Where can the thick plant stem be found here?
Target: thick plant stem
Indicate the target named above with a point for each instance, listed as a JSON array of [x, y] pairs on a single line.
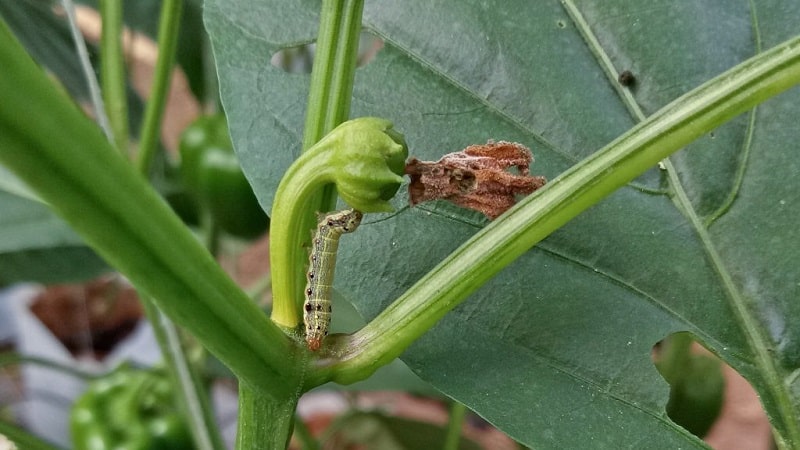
[[64, 158], [534, 218], [168, 27], [190, 391], [265, 421]]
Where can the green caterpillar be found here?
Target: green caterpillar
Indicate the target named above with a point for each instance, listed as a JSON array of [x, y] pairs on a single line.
[[322, 263]]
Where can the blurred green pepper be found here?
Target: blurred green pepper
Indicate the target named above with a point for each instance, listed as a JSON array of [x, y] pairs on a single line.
[[129, 409], [213, 175]]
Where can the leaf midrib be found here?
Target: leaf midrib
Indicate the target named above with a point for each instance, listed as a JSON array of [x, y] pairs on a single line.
[[749, 325]]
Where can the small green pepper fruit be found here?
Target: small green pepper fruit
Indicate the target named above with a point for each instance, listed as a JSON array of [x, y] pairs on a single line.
[[212, 173], [129, 409]]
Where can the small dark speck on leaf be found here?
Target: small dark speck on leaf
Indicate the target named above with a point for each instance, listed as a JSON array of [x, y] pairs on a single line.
[[626, 78]]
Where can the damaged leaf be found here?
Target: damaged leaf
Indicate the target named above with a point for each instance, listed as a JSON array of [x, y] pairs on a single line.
[[475, 178]]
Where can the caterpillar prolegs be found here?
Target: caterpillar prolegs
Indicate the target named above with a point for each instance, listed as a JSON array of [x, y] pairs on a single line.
[[322, 263]]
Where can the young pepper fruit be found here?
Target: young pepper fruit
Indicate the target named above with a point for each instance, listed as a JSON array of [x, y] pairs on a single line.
[[213, 175], [129, 409]]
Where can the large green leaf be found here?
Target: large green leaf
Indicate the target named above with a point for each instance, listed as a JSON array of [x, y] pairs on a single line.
[[556, 349], [35, 245], [45, 34]]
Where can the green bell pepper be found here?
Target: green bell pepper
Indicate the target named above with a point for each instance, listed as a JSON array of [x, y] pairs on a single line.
[[129, 409], [212, 173]]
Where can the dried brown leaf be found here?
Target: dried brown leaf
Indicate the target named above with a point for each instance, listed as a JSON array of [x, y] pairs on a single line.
[[475, 178]]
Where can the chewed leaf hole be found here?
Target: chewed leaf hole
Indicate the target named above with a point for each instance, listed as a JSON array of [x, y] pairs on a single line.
[[300, 58], [707, 397]]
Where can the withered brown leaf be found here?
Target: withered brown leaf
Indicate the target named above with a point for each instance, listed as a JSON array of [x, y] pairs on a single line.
[[475, 178]]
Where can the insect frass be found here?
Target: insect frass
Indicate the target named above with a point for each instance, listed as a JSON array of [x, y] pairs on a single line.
[[322, 263]]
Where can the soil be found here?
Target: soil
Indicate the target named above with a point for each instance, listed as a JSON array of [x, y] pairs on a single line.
[[89, 319]]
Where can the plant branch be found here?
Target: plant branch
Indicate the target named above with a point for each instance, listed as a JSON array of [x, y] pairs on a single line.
[[191, 392], [88, 70], [334, 68], [112, 72], [328, 105], [49, 144], [457, 413], [12, 358], [265, 421], [364, 159], [541, 213], [168, 27]]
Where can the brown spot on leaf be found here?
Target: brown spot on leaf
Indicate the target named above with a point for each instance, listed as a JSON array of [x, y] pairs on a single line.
[[475, 178]]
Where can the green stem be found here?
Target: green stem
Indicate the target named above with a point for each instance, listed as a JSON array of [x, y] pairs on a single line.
[[457, 413], [190, 389], [304, 436], [12, 358], [47, 141], [23, 439], [328, 105], [364, 159], [88, 70], [334, 68], [265, 421], [541, 213], [289, 230], [191, 392], [168, 27], [112, 72]]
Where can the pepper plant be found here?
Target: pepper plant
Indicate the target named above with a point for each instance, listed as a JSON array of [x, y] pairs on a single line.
[[633, 241]]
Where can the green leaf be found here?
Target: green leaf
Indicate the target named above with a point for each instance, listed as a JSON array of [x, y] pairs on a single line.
[[44, 31], [47, 38], [555, 350], [35, 245]]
